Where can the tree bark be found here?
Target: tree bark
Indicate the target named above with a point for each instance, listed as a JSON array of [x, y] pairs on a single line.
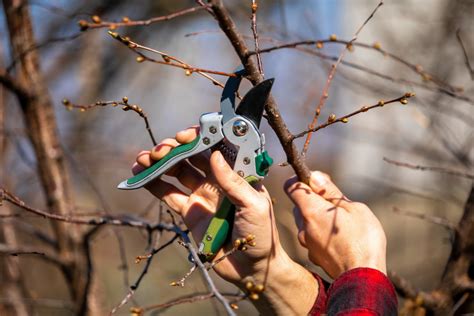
[[42, 131]]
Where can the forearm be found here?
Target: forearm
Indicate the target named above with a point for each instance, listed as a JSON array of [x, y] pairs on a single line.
[[290, 289]]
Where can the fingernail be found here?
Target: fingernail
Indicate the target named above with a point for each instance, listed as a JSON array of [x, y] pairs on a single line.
[[317, 179]]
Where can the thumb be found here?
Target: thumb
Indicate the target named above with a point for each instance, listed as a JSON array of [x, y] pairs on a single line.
[[239, 191]]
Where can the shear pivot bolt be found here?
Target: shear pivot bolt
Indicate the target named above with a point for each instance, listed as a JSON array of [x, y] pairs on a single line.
[[212, 129], [208, 237], [246, 160], [240, 128], [206, 141]]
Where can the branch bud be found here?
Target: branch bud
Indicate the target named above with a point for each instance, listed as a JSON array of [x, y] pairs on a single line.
[[253, 296], [96, 19], [83, 25]]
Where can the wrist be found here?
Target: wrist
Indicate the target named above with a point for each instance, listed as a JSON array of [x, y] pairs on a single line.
[[289, 289]]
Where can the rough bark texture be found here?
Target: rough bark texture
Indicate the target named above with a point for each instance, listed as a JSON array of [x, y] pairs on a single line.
[[42, 131]]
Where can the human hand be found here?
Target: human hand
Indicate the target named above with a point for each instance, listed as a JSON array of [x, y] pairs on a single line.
[[339, 234], [266, 263]]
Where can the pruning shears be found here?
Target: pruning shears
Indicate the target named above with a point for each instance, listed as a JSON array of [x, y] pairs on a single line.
[[234, 131]]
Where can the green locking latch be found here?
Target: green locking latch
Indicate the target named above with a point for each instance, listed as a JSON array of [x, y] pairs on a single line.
[[263, 162]]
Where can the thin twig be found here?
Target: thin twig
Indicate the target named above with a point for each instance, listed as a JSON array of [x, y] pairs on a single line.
[[135, 286], [105, 220], [440, 86], [98, 23], [375, 46], [168, 59], [344, 119], [239, 244], [435, 169], [45, 255], [181, 281], [255, 36], [207, 277], [466, 56], [325, 93], [183, 300], [125, 106], [429, 218]]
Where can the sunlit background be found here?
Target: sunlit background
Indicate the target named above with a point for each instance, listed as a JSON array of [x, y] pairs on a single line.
[[434, 129]]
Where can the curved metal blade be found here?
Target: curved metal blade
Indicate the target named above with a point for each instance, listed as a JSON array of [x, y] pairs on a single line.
[[253, 103]]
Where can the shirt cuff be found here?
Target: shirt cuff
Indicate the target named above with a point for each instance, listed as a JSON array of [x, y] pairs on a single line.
[[319, 306], [362, 291]]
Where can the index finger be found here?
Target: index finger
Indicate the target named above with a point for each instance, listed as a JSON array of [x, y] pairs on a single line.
[[187, 135]]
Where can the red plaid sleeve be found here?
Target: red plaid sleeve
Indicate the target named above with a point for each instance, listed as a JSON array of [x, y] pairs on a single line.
[[361, 292]]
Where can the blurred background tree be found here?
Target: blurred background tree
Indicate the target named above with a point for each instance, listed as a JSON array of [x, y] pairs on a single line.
[[410, 46]]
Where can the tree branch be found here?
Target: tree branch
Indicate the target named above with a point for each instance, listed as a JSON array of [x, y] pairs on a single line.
[[126, 22], [332, 72], [274, 117], [435, 169]]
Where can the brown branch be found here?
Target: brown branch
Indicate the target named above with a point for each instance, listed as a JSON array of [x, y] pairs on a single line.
[[125, 106], [169, 60], [39, 117], [274, 117], [319, 43], [182, 300], [181, 281], [126, 22], [440, 87], [466, 56], [105, 220], [255, 36], [435, 169], [239, 244], [332, 72], [344, 119], [7, 196], [20, 251], [14, 86], [135, 286], [210, 284]]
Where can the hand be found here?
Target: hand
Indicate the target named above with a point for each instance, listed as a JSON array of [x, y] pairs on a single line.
[[339, 234], [266, 262]]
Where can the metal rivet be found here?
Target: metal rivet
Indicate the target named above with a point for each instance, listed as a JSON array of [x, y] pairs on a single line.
[[206, 141], [212, 129], [240, 128], [240, 173], [246, 160], [208, 237]]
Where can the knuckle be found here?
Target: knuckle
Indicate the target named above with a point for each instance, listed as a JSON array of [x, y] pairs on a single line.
[[289, 184], [321, 174]]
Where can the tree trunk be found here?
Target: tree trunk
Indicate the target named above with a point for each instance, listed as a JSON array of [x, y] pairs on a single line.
[[42, 130]]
